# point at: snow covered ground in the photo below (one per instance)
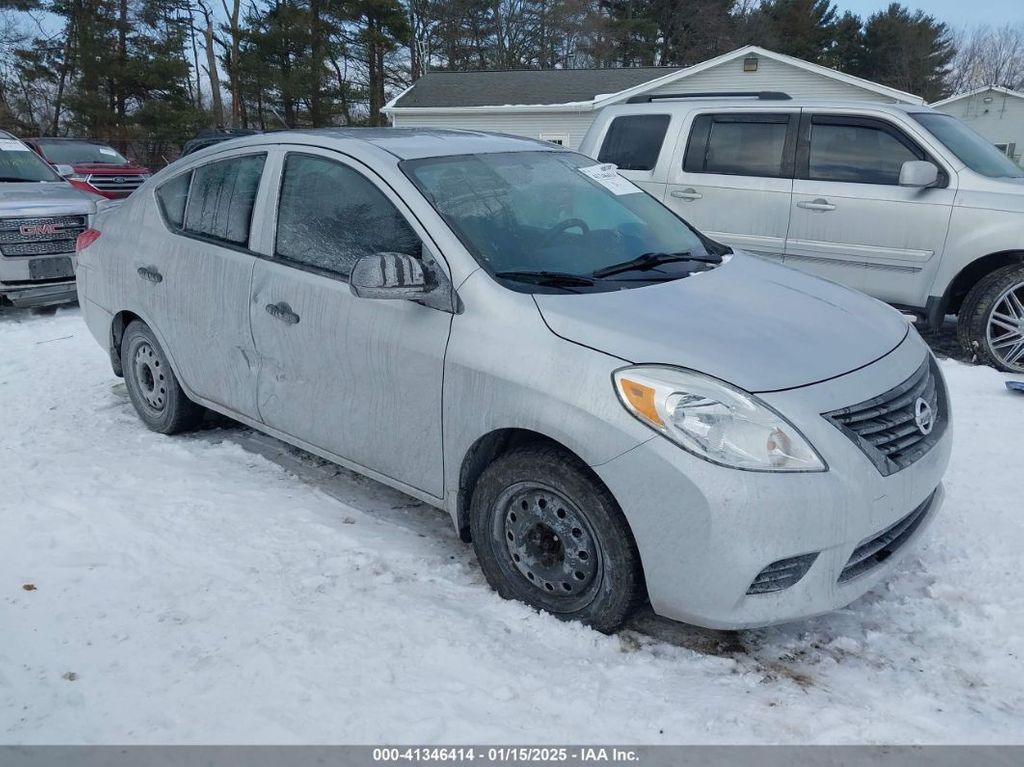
(188, 589)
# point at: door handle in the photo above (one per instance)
(820, 204)
(687, 194)
(150, 274)
(281, 311)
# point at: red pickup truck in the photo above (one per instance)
(97, 167)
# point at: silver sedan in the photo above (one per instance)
(612, 407)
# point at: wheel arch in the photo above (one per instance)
(488, 448)
(972, 274)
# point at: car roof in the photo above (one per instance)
(67, 138)
(684, 104)
(403, 143)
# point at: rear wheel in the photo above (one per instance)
(547, 533)
(991, 320)
(152, 386)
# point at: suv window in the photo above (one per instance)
(633, 142)
(739, 145)
(222, 197)
(172, 197)
(330, 215)
(858, 151)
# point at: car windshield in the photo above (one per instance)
(970, 147)
(62, 152)
(558, 218)
(18, 163)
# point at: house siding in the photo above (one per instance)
(770, 76)
(1001, 120)
(572, 125)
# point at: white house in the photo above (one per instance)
(559, 104)
(996, 113)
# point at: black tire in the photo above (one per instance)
(528, 504)
(152, 386)
(976, 314)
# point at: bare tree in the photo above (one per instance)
(989, 56)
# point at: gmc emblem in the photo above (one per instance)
(37, 230)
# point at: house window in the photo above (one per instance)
(561, 139)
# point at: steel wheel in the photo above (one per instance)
(1005, 332)
(150, 377)
(550, 543)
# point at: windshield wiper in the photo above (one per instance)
(653, 260)
(19, 178)
(547, 279)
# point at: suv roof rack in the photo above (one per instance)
(762, 95)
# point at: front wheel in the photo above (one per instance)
(991, 321)
(548, 534)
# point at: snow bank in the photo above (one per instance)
(188, 590)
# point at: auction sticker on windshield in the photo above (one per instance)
(607, 176)
(10, 145)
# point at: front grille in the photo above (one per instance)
(782, 574)
(123, 184)
(55, 236)
(874, 551)
(888, 428)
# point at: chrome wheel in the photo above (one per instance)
(150, 377)
(550, 543)
(1005, 332)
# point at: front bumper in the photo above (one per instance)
(705, 532)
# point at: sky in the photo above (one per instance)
(957, 13)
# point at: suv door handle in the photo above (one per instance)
(281, 311)
(687, 194)
(150, 274)
(820, 204)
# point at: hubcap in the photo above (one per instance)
(1006, 328)
(150, 376)
(549, 540)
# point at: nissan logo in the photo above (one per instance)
(924, 416)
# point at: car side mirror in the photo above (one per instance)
(65, 171)
(388, 275)
(918, 173)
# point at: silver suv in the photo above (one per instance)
(41, 216)
(610, 405)
(902, 202)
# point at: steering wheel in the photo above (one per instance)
(561, 227)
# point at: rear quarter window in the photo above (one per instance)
(171, 197)
(633, 142)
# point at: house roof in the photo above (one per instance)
(523, 86)
(583, 89)
(977, 91)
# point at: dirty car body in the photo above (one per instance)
(772, 442)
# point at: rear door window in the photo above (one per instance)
(860, 151)
(633, 142)
(221, 200)
(741, 145)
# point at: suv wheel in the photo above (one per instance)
(991, 321)
(548, 534)
(152, 386)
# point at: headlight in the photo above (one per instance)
(714, 420)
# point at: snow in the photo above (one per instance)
(219, 587)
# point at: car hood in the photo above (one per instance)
(754, 324)
(105, 169)
(44, 199)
